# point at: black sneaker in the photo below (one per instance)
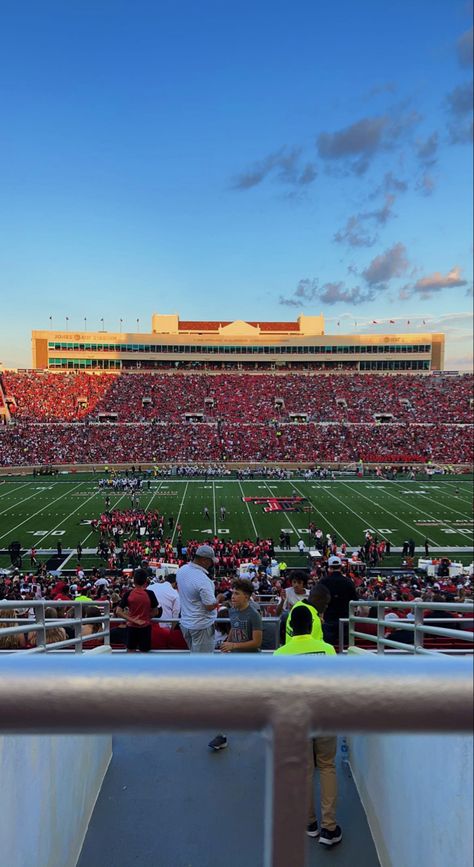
(330, 838)
(218, 743)
(312, 829)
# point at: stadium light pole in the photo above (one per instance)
(121, 321)
(67, 322)
(102, 321)
(138, 325)
(51, 321)
(85, 323)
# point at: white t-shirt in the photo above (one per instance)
(168, 598)
(291, 598)
(195, 591)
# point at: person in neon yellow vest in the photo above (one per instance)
(317, 602)
(322, 750)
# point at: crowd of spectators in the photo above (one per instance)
(273, 588)
(42, 396)
(236, 417)
(29, 444)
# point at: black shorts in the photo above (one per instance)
(139, 638)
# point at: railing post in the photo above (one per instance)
(380, 627)
(352, 623)
(286, 782)
(107, 624)
(78, 626)
(41, 633)
(418, 637)
(341, 636)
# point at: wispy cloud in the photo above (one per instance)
(432, 284)
(427, 151)
(383, 268)
(285, 166)
(380, 89)
(426, 184)
(355, 232)
(309, 292)
(459, 107)
(357, 144)
(464, 47)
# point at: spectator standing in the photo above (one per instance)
(322, 750)
(138, 606)
(167, 595)
(317, 603)
(342, 590)
(245, 636)
(198, 601)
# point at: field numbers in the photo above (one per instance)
(47, 532)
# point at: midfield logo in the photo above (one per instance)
(278, 504)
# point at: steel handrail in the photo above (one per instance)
(289, 698)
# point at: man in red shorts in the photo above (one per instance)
(138, 606)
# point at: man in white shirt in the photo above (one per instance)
(198, 601)
(168, 597)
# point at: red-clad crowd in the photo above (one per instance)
(237, 417)
(238, 397)
(32, 445)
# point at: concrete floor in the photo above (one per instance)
(167, 801)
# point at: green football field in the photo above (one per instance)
(41, 512)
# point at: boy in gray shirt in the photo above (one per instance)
(246, 632)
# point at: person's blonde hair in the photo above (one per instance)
(54, 633)
(8, 617)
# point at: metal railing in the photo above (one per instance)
(41, 624)
(419, 626)
(289, 699)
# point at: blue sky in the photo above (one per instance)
(247, 160)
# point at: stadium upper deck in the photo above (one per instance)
(56, 417)
(273, 345)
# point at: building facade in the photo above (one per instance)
(177, 344)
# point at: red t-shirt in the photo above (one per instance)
(140, 602)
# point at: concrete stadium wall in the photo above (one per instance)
(417, 792)
(49, 786)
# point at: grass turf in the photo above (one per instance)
(43, 511)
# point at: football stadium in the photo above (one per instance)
(236, 434)
(269, 473)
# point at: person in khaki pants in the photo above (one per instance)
(322, 750)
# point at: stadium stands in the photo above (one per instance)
(235, 417)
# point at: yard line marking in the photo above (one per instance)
(63, 564)
(400, 520)
(152, 496)
(95, 494)
(46, 506)
(469, 492)
(428, 514)
(248, 510)
(13, 490)
(214, 507)
(179, 513)
(338, 533)
(461, 515)
(19, 502)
